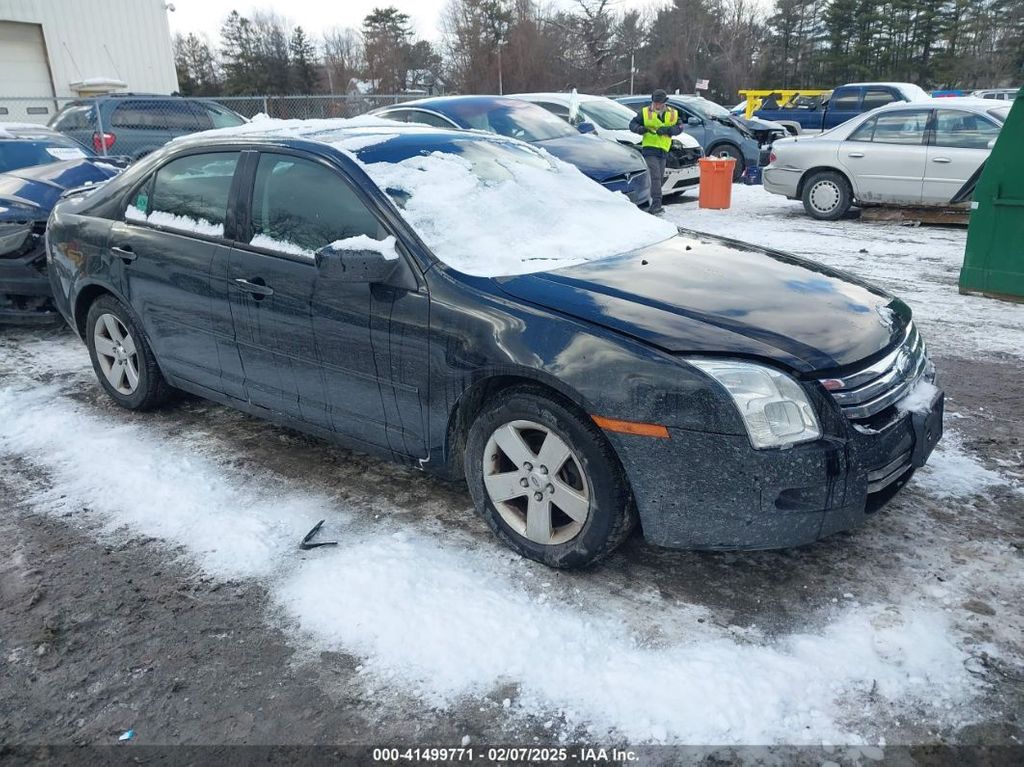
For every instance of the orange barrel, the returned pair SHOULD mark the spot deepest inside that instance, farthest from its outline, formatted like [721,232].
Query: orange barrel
[716,182]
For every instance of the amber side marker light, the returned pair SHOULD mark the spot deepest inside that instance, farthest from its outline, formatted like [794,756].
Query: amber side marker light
[632,427]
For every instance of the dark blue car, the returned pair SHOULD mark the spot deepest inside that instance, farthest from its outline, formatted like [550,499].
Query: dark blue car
[426,295]
[616,167]
[36,166]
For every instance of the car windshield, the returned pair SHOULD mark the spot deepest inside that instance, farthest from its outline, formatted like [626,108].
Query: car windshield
[607,114]
[490,207]
[515,119]
[709,108]
[27,152]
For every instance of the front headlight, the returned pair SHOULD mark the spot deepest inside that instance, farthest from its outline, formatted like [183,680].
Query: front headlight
[774,407]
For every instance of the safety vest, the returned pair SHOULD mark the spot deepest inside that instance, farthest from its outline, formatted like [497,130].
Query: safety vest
[653,122]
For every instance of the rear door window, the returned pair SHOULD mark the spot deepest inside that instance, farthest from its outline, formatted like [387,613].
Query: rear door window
[160,114]
[964,130]
[877,97]
[900,127]
[189,194]
[299,206]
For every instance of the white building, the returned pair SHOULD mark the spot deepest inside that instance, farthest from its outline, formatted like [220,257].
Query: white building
[71,48]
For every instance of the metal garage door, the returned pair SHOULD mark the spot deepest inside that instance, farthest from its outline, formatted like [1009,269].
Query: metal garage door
[24,71]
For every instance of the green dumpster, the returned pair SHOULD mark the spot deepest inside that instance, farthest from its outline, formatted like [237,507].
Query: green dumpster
[994,260]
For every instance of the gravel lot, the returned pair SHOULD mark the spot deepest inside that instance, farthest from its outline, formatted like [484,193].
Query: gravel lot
[153,580]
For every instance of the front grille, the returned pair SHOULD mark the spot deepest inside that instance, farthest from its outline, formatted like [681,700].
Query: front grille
[869,391]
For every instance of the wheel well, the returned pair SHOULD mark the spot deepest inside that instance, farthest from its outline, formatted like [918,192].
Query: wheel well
[84,300]
[719,144]
[820,169]
[471,403]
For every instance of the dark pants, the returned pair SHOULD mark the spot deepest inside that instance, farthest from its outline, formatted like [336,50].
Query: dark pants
[656,159]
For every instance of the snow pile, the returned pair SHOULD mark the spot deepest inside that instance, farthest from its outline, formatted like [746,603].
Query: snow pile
[951,472]
[537,219]
[172,221]
[919,399]
[475,629]
[386,247]
[283,246]
[233,528]
[448,618]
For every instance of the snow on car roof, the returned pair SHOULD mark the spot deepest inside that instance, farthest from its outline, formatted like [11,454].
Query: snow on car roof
[486,205]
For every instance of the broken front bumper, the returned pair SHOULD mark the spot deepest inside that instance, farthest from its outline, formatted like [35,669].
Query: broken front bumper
[25,293]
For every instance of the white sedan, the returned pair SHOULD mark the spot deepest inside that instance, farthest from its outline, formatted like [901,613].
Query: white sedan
[915,154]
[610,120]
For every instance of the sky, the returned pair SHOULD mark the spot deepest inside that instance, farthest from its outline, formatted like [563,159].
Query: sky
[317,16]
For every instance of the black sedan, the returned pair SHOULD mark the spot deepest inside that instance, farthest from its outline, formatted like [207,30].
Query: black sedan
[469,305]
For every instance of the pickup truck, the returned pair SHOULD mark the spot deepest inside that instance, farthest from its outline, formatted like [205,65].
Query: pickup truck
[846,101]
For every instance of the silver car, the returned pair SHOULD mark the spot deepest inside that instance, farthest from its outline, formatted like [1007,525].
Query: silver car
[918,153]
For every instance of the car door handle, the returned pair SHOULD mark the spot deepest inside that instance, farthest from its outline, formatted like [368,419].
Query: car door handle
[258,290]
[856,154]
[125,253]
[941,159]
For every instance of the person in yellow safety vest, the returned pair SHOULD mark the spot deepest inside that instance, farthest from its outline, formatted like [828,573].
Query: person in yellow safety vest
[657,123]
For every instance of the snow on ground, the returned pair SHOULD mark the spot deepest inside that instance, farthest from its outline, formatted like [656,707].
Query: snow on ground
[446,617]
[921,265]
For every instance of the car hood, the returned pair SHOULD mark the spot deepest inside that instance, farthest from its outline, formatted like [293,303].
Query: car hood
[32,192]
[596,157]
[701,294]
[628,137]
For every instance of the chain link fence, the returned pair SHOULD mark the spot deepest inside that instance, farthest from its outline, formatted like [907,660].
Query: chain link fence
[134,125]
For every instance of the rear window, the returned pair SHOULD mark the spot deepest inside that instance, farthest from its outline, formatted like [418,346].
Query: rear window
[74,117]
[27,153]
[155,115]
[189,194]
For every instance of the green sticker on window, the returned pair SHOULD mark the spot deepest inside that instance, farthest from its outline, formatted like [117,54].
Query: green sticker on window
[142,202]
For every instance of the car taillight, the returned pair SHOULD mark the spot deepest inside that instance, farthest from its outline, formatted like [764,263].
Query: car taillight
[101,142]
[771,158]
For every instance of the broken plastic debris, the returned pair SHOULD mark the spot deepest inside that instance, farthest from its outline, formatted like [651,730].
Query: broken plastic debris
[307,541]
[127,735]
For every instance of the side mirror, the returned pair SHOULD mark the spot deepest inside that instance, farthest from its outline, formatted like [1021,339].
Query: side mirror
[355,265]
[694,120]
[992,144]
[586,127]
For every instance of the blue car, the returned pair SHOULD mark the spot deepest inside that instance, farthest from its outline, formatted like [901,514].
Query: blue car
[614,166]
[36,166]
[717,132]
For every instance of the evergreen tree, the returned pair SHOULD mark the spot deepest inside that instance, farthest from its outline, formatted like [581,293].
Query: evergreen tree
[303,58]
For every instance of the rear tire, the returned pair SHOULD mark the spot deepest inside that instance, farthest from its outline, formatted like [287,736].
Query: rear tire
[122,358]
[827,195]
[546,480]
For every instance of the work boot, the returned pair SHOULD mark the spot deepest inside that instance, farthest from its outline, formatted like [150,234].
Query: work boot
[656,210]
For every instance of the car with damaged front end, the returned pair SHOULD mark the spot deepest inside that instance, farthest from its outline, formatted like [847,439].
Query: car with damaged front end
[477,308]
[37,166]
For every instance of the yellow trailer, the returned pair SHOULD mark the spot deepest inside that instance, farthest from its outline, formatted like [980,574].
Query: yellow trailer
[783,96]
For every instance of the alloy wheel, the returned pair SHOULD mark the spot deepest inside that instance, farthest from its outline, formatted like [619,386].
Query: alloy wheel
[536,482]
[116,353]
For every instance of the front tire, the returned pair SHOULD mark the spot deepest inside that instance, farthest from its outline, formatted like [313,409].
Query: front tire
[546,480]
[121,357]
[827,196]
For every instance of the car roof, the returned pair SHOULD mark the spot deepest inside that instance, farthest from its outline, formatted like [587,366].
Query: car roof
[394,140]
[963,102]
[13,130]
[439,102]
[560,97]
